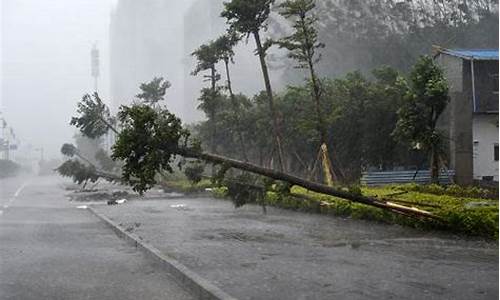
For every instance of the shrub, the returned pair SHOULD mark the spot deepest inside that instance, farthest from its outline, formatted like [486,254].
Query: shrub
[451,190]
[194,172]
[8,168]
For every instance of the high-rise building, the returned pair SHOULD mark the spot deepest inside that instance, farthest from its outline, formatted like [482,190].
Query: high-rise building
[156,38]
[146,42]
[201,24]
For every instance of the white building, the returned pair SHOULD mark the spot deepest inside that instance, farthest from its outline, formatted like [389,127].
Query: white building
[471,118]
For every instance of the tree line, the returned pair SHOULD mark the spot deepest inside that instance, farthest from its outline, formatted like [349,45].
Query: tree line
[324,129]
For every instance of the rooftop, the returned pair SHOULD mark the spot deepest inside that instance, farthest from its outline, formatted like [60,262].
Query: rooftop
[471,54]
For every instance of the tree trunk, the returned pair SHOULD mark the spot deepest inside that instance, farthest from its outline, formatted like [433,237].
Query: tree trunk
[316,93]
[272,110]
[213,145]
[213,124]
[434,165]
[312,186]
[237,111]
[326,162]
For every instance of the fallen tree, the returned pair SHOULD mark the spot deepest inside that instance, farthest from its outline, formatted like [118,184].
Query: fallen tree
[82,173]
[312,186]
[149,141]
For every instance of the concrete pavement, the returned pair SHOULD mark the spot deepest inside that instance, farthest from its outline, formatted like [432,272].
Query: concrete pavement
[51,250]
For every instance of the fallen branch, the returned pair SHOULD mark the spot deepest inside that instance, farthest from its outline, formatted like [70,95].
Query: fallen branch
[411,203]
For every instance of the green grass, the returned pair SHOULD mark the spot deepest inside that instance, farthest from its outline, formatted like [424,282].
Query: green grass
[460,214]
[469,215]
[186,187]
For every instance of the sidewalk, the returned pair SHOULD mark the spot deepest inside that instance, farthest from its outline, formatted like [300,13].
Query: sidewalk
[291,255]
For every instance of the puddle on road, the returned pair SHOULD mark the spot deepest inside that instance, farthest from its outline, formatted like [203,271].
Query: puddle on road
[182,207]
[224,235]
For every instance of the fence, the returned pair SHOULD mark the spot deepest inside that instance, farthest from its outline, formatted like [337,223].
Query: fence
[416,176]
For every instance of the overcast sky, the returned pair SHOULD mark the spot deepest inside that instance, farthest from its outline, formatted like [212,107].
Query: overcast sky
[45,64]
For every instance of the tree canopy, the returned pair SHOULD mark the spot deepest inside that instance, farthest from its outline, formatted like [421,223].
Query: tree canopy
[247,16]
[94,118]
[154,91]
[147,144]
[423,104]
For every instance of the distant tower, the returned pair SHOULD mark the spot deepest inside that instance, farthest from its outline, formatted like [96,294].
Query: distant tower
[94,62]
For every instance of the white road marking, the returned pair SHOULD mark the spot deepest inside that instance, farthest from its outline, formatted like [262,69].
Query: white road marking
[19,190]
[16,194]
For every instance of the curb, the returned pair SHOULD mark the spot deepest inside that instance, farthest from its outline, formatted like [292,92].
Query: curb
[200,287]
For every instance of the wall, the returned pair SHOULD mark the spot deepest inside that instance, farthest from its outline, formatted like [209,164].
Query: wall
[457,118]
[485,129]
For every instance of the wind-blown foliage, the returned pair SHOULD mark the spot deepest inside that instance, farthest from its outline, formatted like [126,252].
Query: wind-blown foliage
[153,92]
[80,173]
[69,150]
[224,46]
[424,103]
[194,171]
[249,17]
[206,56]
[94,119]
[303,42]
[302,46]
[360,116]
[147,144]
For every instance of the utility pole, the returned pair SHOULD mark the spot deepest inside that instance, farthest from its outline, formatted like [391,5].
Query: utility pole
[94,65]
[95,73]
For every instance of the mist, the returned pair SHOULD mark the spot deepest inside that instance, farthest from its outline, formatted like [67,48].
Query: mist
[45,60]
[45,65]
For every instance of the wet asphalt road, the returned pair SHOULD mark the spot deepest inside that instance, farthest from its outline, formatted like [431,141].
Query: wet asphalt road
[51,250]
[292,255]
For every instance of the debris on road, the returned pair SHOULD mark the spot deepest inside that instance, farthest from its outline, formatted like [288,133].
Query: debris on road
[116,202]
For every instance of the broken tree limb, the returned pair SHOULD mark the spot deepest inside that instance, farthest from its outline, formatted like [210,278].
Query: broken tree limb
[312,186]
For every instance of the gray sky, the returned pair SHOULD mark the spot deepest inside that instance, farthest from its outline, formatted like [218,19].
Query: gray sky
[45,60]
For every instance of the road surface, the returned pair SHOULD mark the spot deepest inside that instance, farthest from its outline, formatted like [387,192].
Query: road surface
[49,249]
[292,255]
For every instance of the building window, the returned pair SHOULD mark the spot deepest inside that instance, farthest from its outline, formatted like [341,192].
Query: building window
[495,152]
[494,78]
